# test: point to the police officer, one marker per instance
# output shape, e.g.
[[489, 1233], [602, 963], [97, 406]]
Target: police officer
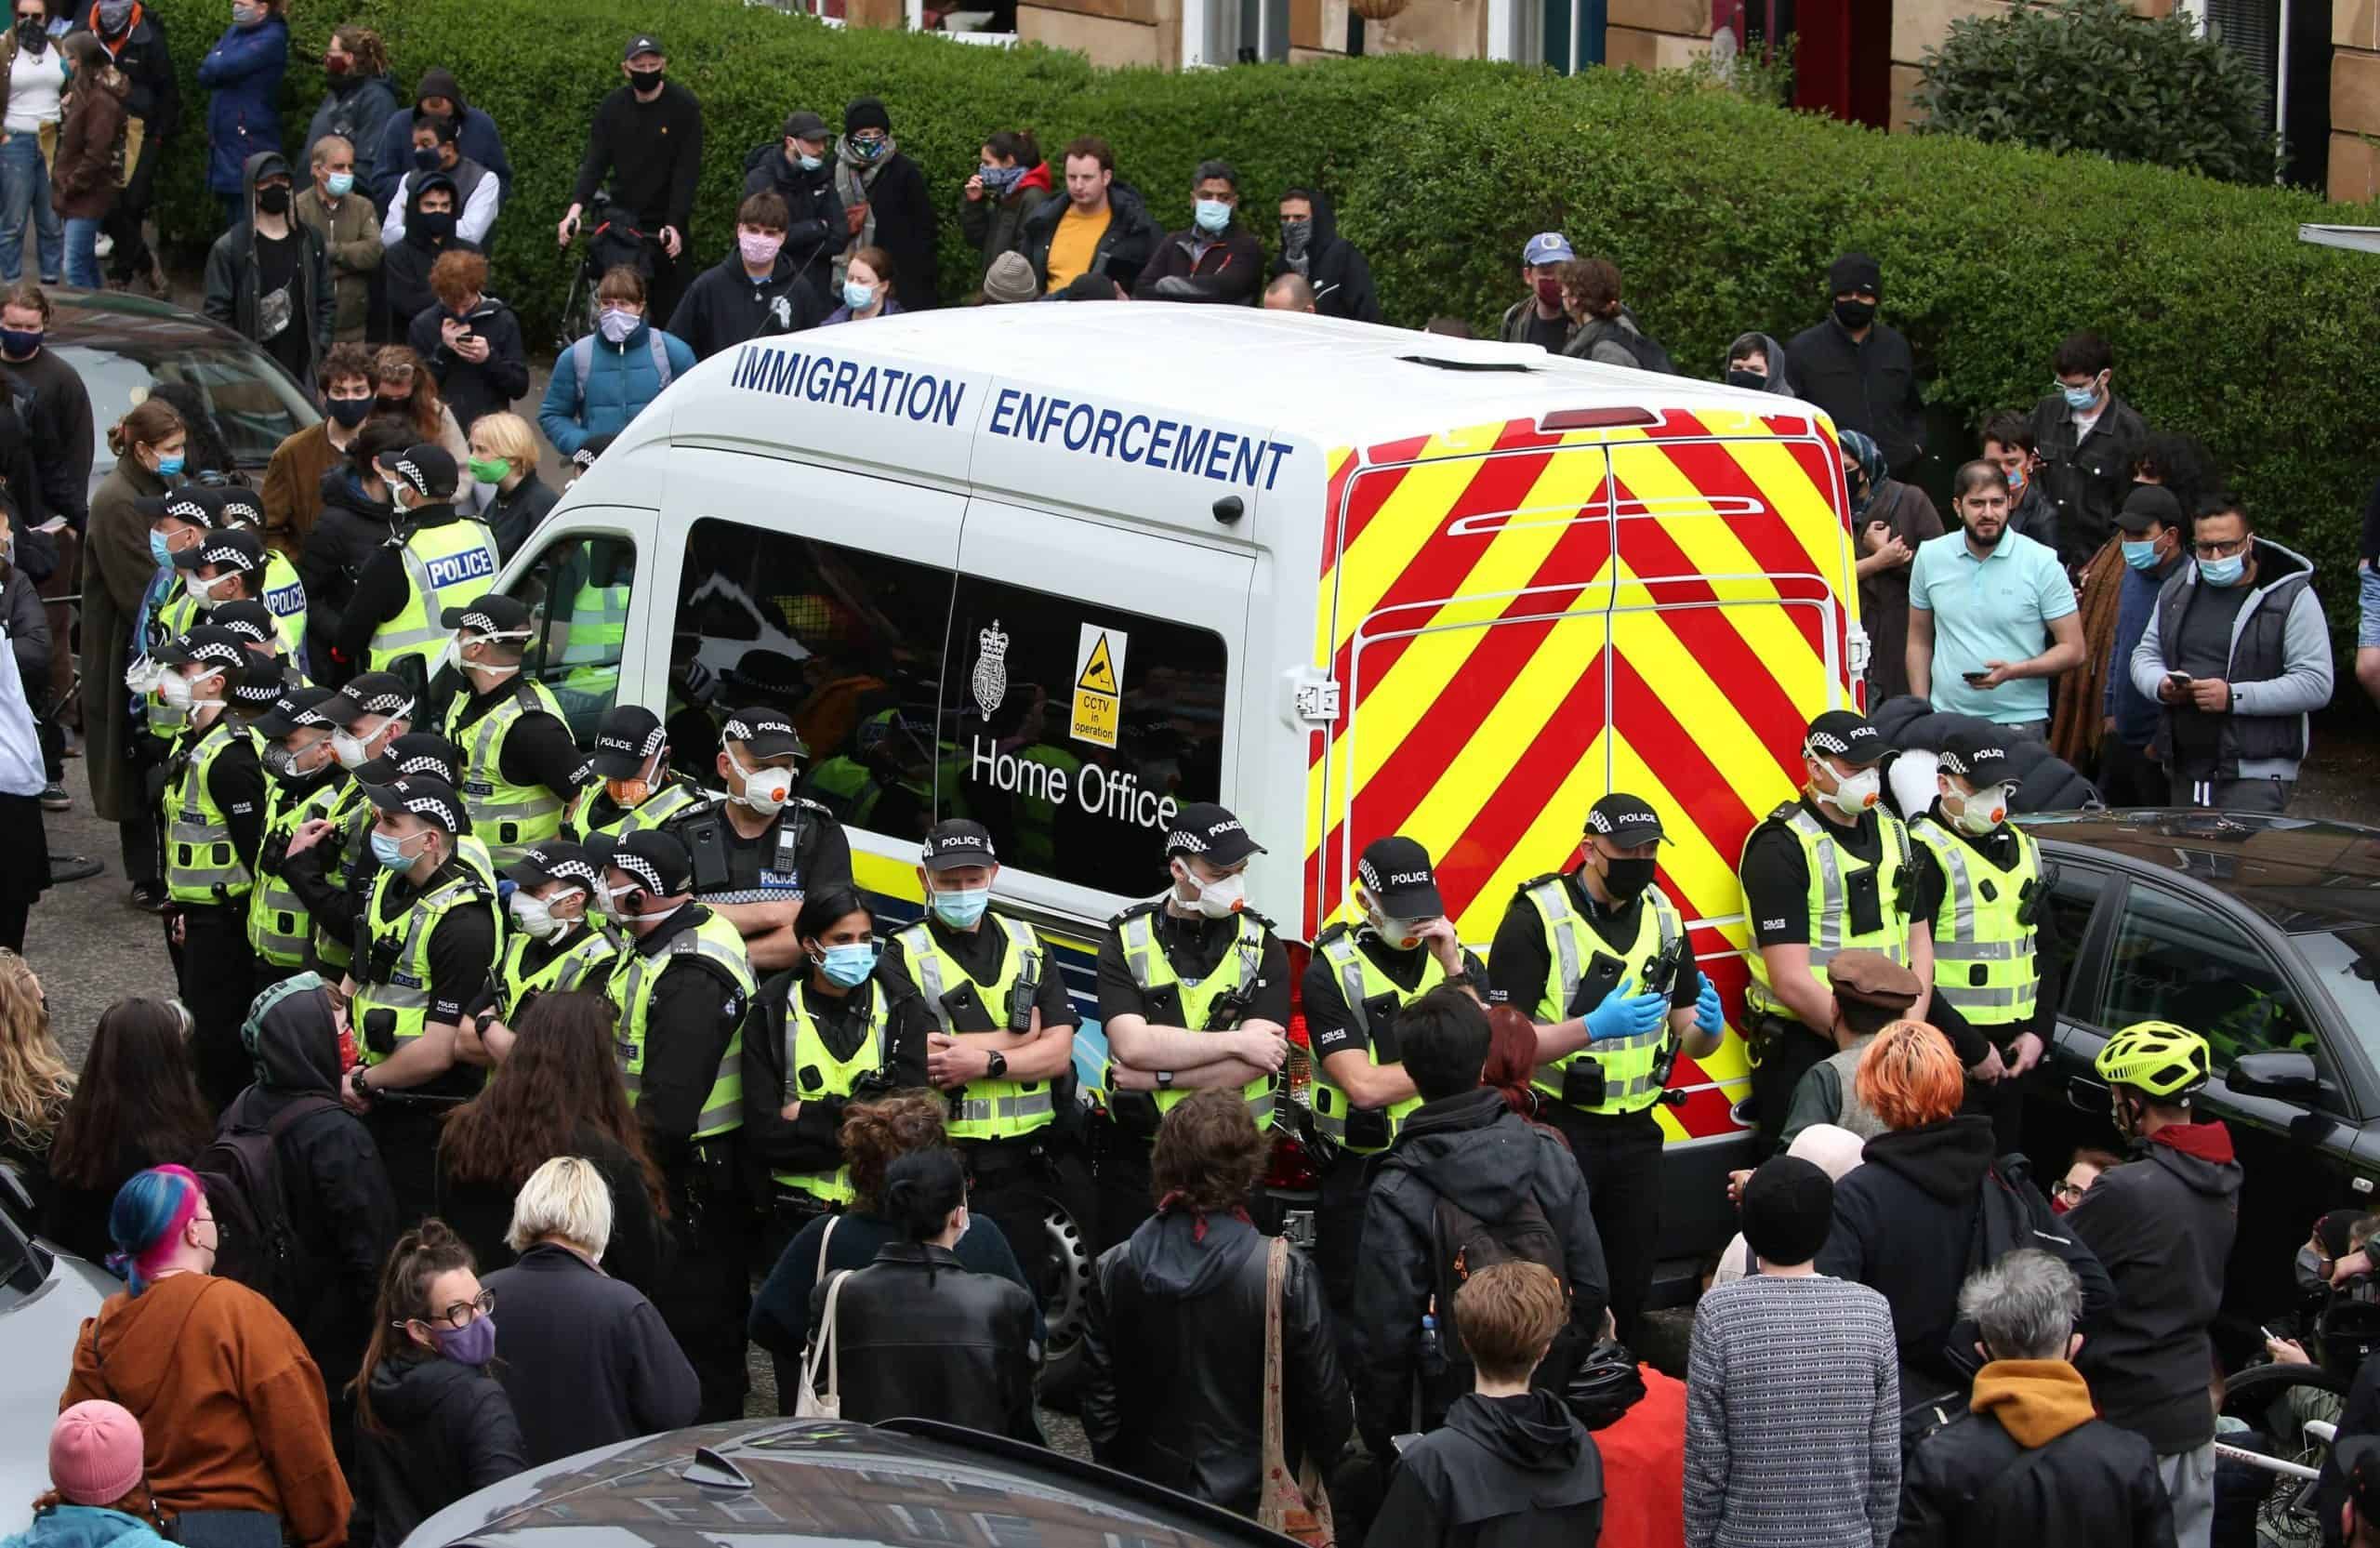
[[682, 985], [425, 752], [225, 565], [294, 741], [329, 862], [178, 521], [1870, 991], [212, 800], [1400, 946], [1194, 992], [255, 625], [758, 850], [558, 941], [1597, 958], [1828, 872], [238, 508], [422, 954], [634, 785], [395, 620], [1978, 895], [1003, 1048], [520, 766]]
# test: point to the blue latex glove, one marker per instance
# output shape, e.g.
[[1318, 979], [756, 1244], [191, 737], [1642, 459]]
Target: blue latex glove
[[1626, 1014], [1707, 1017]]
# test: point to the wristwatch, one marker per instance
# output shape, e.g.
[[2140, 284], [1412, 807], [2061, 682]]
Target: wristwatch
[[998, 1067], [1165, 1080], [361, 1087]]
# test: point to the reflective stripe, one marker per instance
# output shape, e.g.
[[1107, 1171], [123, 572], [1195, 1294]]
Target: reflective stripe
[[1146, 959], [1830, 866], [1976, 1000], [985, 1109], [201, 866], [570, 969], [674, 796], [280, 929], [509, 817], [595, 634], [837, 1076], [1358, 978], [415, 629], [632, 982], [1024, 1104], [1628, 1064], [409, 1001], [1984, 953]]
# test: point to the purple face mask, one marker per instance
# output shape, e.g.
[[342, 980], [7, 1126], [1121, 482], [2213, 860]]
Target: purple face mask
[[472, 1345]]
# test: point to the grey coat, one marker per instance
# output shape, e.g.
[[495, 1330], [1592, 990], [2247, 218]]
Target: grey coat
[[2280, 672]]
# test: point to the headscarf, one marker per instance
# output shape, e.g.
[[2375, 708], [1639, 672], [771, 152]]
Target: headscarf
[[1871, 467], [1832, 1149], [1781, 380]]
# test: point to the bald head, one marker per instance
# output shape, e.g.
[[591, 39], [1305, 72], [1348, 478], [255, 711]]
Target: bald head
[[1290, 293]]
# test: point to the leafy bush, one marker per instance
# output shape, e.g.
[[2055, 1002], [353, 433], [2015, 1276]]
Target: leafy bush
[[2091, 76], [1722, 213]]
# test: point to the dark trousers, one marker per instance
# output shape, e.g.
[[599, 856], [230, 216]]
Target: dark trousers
[[15, 914], [406, 1132], [2128, 776], [131, 258], [1121, 1159], [1790, 1051], [1341, 1190], [704, 1292], [669, 280], [1621, 1158], [1008, 1185], [136, 840], [217, 984], [790, 1211]]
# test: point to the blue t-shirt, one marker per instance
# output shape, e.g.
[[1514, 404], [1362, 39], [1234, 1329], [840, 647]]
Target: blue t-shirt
[[1994, 609]]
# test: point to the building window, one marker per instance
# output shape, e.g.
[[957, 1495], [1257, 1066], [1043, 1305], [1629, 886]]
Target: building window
[[578, 596]]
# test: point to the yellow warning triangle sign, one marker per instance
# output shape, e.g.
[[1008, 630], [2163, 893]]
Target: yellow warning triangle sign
[[1099, 672]]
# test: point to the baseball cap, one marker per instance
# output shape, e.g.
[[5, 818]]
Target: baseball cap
[[643, 43], [415, 752], [1626, 820], [2146, 503], [490, 612], [1212, 833], [189, 504], [369, 694], [252, 621], [802, 124], [296, 707], [957, 843], [628, 734], [430, 799], [1396, 871], [764, 733], [656, 860], [429, 468], [556, 860], [1976, 755], [1547, 247], [204, 642], [1845, 734], [95, 1453], [235, 547], [1875, 981]]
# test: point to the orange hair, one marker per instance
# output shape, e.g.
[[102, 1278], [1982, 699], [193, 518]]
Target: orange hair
[[1911, 1075]]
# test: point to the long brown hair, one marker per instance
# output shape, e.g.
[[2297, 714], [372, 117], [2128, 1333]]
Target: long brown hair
[[421, 1255], [370, 54], [561, 1080], [422, 403], [138, 1096], [1512, 1062], [34, 1082]]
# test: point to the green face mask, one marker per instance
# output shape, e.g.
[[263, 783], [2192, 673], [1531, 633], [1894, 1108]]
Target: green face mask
[[490, 470]]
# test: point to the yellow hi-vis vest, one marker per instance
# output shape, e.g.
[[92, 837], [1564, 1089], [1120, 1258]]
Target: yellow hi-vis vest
[[200, 864], [1629, 1064], [506, 817], [1831, 868], [1151, 969], [391, 1005], [812, 1071], [279, 926], [1360, 979], [284, 598], [1984, 963], [586, 964], [350, 813], [637, 975], [445, 566], [674, 796], [986, 1110]]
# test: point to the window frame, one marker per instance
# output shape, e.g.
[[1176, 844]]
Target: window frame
[[640, 530]]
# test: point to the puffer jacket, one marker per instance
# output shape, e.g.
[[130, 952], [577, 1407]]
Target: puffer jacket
[[244, 70], [85, 1527], [621, 384], [1180, 1307], [1476, 1151], [916, 1333], [995, 226], [440, 1429]]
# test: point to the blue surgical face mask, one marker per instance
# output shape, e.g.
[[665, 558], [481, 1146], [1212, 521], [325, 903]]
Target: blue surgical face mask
[[960, 908], [849, 965], [158, 552], [856, 295], [810, 163], [2223, 572], [391, 853], [1213, 214], [341, 184], [2080, 399], [171, 467], [2141, 554]]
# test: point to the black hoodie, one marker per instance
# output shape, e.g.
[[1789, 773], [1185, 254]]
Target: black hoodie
[[340, 1202], [236, 281], [725, 306], [443, 1430], [1504, 1472], [1341, 276], [815, 230], [473, 390], [404, 268], [352, 527]]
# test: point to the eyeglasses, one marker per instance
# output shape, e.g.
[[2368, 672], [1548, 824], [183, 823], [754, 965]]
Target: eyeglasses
[[2064, 1189], [2220, 551], [463, 1313]]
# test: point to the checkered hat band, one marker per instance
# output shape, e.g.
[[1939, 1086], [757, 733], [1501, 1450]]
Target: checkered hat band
[[643, 869]]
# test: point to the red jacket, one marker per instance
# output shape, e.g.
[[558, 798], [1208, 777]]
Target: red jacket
[[1644, 1469]]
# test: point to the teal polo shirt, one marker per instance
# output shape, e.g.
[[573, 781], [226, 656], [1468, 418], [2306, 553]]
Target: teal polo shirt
[[1998, 608]]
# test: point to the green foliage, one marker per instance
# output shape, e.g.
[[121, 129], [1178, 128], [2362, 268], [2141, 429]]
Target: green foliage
[[2091, 76], [1723, 214]]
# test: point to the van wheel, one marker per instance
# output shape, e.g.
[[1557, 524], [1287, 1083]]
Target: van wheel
[[1064, 1303]]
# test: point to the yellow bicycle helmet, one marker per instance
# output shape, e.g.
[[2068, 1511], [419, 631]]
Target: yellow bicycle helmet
[[2158, 1057]]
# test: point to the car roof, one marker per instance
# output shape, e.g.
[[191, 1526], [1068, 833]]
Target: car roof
[[814, 1482], [2305, 876], [121, 319]]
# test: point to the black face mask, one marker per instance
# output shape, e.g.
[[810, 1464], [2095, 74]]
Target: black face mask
[[424, 157], [1855, 315], [646, 82], [438, 225], [1624, 879], [386, 404], [273, 200], [351, 412], [31, 36], [1757, 380]]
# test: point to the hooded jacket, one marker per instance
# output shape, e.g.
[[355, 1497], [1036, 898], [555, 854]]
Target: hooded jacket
[[621, 382], [85, 1527], [815, 230], [82, 178], [1907, 1225], [440, 1430], [1780, 370], [405, 266], [725, 306], [244, 70], [475, 137], [1504, 1472], [901, 219], [233, 1413], [2163, 1228], [1180, 1305], [472, 389], [1599, 340], [156, 95], [1474, 1151], [2279, 669], [1128, 243], [1335, 267], [2030, 1464], [1191, 266], [356, 108], [916, 1332], [234, 274], [341, 1209], [351, 527], [1869, 384], [995, 226]]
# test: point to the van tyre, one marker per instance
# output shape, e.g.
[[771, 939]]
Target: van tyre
[[1065, 1302]]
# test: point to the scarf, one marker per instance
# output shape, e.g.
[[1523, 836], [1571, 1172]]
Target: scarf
[[1177, 1199], [854, 178], [1871, 466]]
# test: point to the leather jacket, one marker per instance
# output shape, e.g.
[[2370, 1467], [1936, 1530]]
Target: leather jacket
[[916, 1333], [1181, 1304]]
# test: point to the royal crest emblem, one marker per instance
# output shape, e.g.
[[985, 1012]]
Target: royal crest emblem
[[991, 669]]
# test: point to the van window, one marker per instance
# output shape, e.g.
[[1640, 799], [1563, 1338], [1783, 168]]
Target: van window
[[1077, 730], [578, 596], [848, 644]]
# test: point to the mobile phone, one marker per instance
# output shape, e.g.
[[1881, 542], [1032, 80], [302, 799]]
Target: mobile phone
[[2181, 681], [2269, 1336], [1975, 679]]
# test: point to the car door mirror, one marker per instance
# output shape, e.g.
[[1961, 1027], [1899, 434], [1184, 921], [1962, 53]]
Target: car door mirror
[[2283, 1075]]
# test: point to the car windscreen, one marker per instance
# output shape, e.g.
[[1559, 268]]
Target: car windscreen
[[254, 405]]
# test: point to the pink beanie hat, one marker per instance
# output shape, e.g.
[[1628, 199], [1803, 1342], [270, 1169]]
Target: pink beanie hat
[[95, 1453]]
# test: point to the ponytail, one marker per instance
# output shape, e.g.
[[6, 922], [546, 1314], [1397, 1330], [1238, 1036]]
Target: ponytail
[[421, 1255], [151, 421], [920, 1189]]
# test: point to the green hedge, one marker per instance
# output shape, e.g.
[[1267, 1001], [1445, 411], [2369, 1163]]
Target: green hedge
[[1722, 213]]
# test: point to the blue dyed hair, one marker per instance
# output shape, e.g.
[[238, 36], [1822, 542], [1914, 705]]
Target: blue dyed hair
[[147, 1215]]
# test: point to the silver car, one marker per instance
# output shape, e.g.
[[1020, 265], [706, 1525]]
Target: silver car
[[46, 1295]]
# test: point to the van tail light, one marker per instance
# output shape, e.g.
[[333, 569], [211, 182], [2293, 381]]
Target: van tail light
[[1289, 1167], [1594, 418]]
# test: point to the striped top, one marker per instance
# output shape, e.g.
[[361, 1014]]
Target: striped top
[[1792, 1417]]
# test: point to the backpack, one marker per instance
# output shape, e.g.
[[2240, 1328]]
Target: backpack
[[1649, 355], [242, 1174], [1460, 1244], [582, 360]]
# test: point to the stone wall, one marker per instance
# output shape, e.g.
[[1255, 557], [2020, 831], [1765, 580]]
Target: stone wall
[[2355, 99]]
